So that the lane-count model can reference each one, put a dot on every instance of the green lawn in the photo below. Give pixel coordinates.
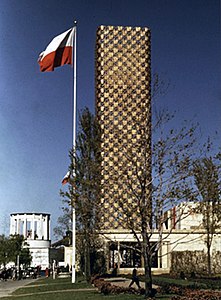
(201, 283)
(49, 289)
(48, 284)
(74, 295)
(58, 289)
(84, 296)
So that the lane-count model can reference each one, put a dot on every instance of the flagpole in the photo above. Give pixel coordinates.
(74, 146)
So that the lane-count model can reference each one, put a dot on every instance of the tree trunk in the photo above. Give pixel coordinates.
(147, 267)
(209, 268)
(88, 264)
(87, 259)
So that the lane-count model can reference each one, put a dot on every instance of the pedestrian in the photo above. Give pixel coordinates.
(4, 274)
(135, 279)
(14, 274)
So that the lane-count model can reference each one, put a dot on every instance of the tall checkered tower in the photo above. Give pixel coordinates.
(123, 106)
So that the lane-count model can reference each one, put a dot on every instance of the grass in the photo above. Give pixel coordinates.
(59, 289)
(86, 295)
(62, 288)
(201, 283)
(169, 280)
(48, 285)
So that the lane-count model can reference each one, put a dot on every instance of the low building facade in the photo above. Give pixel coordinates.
(180, 245)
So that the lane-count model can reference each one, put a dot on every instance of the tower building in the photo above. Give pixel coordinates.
(123, 109)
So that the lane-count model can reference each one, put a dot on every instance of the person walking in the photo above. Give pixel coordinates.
(135, 279)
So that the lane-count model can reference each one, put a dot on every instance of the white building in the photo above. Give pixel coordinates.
(35, 227)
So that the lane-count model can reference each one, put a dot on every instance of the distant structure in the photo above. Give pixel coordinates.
(35, 227)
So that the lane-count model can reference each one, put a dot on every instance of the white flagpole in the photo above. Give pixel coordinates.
(74, 146)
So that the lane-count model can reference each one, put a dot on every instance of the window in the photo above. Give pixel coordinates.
(129, 255)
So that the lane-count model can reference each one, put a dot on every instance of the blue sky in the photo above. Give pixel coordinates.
(35, 107)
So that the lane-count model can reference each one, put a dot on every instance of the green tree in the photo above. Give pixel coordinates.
(88, 184)
(16, 244)
(13, 246)
(25, 257)
(84, 189)
(207, 179)
(4, 250)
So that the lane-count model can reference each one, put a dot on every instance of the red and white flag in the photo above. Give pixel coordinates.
(66, 178)
(58, 52)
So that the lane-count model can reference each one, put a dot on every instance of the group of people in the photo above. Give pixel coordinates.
(18, 274)
(8, 273)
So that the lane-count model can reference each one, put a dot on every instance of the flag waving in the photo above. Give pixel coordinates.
(66, 178)
(58, 52)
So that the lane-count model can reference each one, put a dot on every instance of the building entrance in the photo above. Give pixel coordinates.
(128, 255)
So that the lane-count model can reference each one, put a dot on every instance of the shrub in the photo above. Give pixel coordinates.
(107, 288)
(198, 295)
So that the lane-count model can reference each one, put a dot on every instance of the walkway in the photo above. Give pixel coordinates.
(124, 282)
(9, 286)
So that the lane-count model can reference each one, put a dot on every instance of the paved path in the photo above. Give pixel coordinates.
(124, 282)
(120, 281)
(9, 286)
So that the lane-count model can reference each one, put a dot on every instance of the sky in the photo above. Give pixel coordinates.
(36, 108)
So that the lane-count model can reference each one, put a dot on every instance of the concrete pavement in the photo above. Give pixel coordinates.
(124, 282)
(9, 286)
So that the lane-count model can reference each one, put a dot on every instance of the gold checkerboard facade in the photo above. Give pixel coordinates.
(123, 110)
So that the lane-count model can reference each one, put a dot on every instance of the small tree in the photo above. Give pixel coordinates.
(64, 221)
(174, 151)
(207, 180)
(169, 185)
